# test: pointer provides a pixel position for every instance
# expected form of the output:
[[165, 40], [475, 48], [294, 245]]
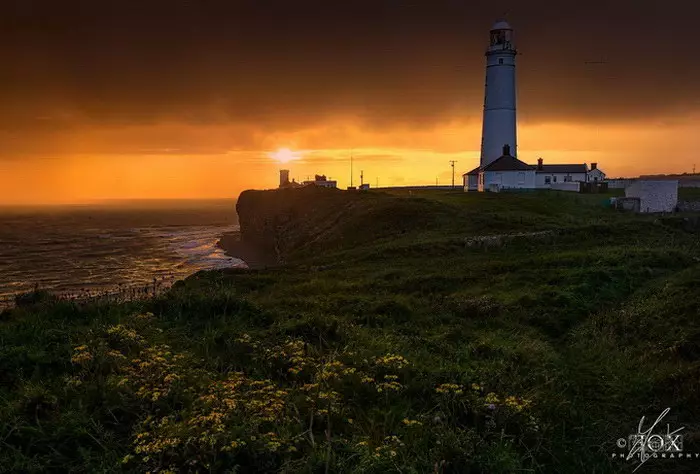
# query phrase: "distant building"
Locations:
[[364, 187], [320, 180], [511, 173], [284, 178]]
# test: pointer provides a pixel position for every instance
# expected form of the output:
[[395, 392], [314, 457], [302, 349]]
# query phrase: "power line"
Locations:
[[452, 162]]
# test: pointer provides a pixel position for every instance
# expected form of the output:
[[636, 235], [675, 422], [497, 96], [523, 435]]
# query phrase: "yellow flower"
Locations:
[[492, 398], [408, 422]]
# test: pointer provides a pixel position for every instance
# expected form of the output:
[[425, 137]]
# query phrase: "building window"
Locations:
[[555, 179], [595, 179], [567, 179], [547, 180], [500, 60]]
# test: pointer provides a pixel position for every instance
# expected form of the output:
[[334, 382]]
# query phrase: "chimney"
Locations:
[[506, 149], [594, 166], [539, 164]]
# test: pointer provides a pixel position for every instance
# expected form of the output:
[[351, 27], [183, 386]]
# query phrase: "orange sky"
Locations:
[[394, 156], [182, 99]]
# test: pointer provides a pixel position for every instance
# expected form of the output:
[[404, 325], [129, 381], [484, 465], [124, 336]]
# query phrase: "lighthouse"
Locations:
[[499, 126]]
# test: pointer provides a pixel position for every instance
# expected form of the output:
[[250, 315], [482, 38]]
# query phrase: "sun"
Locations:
[[285, 155]]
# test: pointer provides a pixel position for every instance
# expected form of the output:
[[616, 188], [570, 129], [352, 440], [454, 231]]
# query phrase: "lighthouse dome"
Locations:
[[501, 25]]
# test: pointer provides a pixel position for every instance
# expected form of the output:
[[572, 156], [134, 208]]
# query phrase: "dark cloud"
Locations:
[[286, 65]]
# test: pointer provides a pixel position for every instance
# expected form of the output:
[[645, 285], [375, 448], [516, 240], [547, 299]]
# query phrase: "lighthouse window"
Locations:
[[500, 60]]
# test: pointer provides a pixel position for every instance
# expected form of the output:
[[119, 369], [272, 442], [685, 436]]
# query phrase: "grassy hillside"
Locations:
[[394, 339]]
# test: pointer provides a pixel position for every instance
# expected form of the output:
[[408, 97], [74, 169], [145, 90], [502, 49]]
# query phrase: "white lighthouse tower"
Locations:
[[499, 127]]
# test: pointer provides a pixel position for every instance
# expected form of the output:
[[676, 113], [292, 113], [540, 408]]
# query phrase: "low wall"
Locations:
[[618, 183], [573, 186]]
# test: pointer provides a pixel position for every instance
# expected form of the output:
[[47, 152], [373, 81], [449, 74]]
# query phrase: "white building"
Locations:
[[499, 126], [548, 175], [320, 180], [654, 196]]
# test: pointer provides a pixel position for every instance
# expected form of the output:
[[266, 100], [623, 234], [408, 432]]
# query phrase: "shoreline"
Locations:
[[252, 256]]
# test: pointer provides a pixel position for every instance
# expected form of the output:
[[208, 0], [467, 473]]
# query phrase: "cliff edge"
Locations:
[[280, 225]]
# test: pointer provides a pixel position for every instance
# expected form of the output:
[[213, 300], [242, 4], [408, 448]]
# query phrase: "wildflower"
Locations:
[[125, 334], [390, 384], [476, 387], [492, 398], [450, 388], [391, 361], [408, 422], [81, 356], [73, 382]]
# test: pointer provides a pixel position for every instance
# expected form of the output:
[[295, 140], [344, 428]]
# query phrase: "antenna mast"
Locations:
[[452, 162], [351, 167]]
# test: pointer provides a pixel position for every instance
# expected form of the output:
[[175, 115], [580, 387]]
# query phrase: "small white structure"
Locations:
[[471, 179], [499, 125], [654, 196], [320, 180], [595, 174], [506, 172]]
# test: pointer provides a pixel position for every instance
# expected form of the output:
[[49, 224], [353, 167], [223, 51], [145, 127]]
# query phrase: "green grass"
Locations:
[[588, 327]]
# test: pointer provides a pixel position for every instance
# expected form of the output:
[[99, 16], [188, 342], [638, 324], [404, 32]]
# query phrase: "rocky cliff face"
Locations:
[[280, 221]]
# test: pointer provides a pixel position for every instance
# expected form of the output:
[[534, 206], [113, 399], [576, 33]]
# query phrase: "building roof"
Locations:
[[474, 172], [508, 163], [563, 169]]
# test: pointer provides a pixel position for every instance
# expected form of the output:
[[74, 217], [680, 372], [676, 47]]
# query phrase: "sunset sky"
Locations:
[[189, 98]]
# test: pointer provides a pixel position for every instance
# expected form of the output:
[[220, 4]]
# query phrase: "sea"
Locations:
[[112, 247]]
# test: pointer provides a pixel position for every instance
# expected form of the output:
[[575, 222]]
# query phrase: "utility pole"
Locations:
[[362, 177], [436, 182], [351, 167], [377, 182], [452, 162]]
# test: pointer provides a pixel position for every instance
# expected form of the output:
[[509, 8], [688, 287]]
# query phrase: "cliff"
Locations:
[[285, 224]]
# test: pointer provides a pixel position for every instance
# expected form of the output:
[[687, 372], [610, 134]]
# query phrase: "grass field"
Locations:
[[395, 338]]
